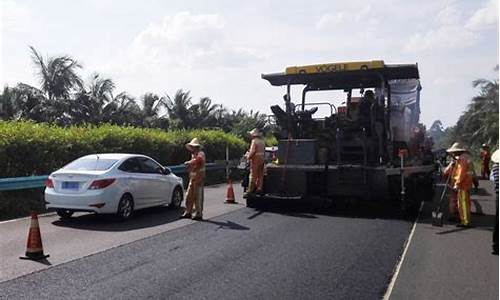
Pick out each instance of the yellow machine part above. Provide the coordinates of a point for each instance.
(336, 67)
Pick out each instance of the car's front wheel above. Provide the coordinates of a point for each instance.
(176, 198)
(125, 207)
(64, 213)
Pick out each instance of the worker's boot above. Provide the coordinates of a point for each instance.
(185, 215)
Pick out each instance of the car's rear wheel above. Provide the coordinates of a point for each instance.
(176, 198)
(64, 213)
(125, 207)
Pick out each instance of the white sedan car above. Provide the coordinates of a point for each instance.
(112, 184)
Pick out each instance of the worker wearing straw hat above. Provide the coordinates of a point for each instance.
(461, 171)
(256, 157)
(494, 178)
(196, 169)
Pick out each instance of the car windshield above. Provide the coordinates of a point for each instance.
(91, 164)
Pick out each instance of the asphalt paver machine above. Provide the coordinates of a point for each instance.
(368, 145)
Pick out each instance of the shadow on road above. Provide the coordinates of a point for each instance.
(479, 220)
(478, 207)
(356, 208)
(481, 192)
(144, 218)
(44, 261)
(227, 225)
(255, 215)
(346, 208)
(453, 230)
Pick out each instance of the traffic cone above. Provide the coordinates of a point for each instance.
(34, 248)
(230, 193)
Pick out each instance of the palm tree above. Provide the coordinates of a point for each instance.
(122, 110)
(243, 121)
(151, 107)
(101, 89)
(27, 102)
(479, 123)
(178, 109)
(58, 75)
(7, 110)
(483, 116)
(204, 113)
(90, 101)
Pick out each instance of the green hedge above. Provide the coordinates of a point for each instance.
(28, 148)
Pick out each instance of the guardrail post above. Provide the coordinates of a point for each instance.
(227, 162)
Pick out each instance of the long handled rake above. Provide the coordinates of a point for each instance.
(437, 214)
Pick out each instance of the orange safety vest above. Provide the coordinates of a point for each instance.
(461, 172)
(257, 149)
(485, 157)
(197, 166)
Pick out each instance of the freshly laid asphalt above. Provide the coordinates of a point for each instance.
(245, 254)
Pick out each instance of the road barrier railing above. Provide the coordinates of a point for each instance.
(31, 182)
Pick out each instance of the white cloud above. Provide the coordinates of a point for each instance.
(450, 15)
(364, 14)
(329, 20)
(346, 19)
(189, 41)
(449, 33)
(485, 17)
(444, 37)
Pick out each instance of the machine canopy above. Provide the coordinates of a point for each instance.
(343, 75)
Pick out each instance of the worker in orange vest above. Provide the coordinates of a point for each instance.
(462, 171)
(196, 169)
(452, 200)
(256, 157)
(485, 161)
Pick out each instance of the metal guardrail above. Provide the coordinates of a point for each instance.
(30, 182)
(21, 183)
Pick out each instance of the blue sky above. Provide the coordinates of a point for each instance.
(220, 48)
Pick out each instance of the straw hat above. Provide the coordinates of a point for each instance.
(456, 147)
(194, 144)
(255, 132)
(494, 156)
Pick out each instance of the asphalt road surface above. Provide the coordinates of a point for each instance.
(87, 234)
(449, 262)
(302, 253)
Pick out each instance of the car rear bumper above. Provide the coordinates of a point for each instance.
(89, 202)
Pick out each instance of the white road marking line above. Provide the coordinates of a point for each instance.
(29, 217)
(407, 245)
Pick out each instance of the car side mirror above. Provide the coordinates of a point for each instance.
(167, 171)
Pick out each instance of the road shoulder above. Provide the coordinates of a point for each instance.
(449, 262)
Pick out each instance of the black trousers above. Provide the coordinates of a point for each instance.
(495, 230)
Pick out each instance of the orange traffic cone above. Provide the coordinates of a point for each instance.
(230, 193)
(34, 248)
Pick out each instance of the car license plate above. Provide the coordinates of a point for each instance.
(70, 185)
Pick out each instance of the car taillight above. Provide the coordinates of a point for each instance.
(101, 183)
(49, 184)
